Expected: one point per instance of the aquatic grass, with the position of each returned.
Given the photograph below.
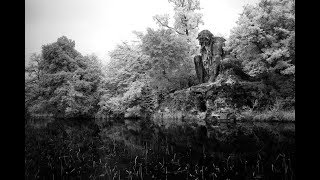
(114, 159)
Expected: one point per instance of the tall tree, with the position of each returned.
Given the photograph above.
(264, 42)
(186, 17)
(67, 83)
(264, 38)
(126, 76)
(169, 56)
(139, 73)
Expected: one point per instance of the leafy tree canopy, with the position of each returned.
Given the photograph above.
(264, 38)
(139, 73)
(64, 83)
(186, 17)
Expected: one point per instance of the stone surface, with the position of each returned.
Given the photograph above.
(197, 104)
(207, 65)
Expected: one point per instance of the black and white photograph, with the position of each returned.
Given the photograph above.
(159, 90)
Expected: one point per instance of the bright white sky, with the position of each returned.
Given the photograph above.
(97, 26)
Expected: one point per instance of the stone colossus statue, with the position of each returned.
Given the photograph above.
(207, 64)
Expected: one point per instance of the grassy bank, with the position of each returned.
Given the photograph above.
(169, 118)
(269, 115)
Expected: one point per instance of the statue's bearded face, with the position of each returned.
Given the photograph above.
(205, 43)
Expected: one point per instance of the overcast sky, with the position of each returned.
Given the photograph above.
(97, 26)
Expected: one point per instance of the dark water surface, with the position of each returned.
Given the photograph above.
(242, 150)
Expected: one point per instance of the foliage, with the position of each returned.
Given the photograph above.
(264, 43)
(169, 55)
(186, 21)
(62, 82)
(126, 79)
(32, 79)
(264, 38)
(140, 75)
(267, 115)
(186, 17)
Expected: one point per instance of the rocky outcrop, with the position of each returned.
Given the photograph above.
(207, 103)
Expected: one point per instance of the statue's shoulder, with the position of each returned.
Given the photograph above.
(219, 39)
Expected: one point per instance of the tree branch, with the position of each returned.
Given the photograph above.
(167, 26)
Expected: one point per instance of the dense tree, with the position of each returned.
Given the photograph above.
(264, 37)
(126, 76)
(32, 80)
(186, 17)
(264, 42)
(140, 75)
(186, 21)
(169, 54)
(65, 83)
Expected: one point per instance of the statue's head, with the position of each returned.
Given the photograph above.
(205, 38)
